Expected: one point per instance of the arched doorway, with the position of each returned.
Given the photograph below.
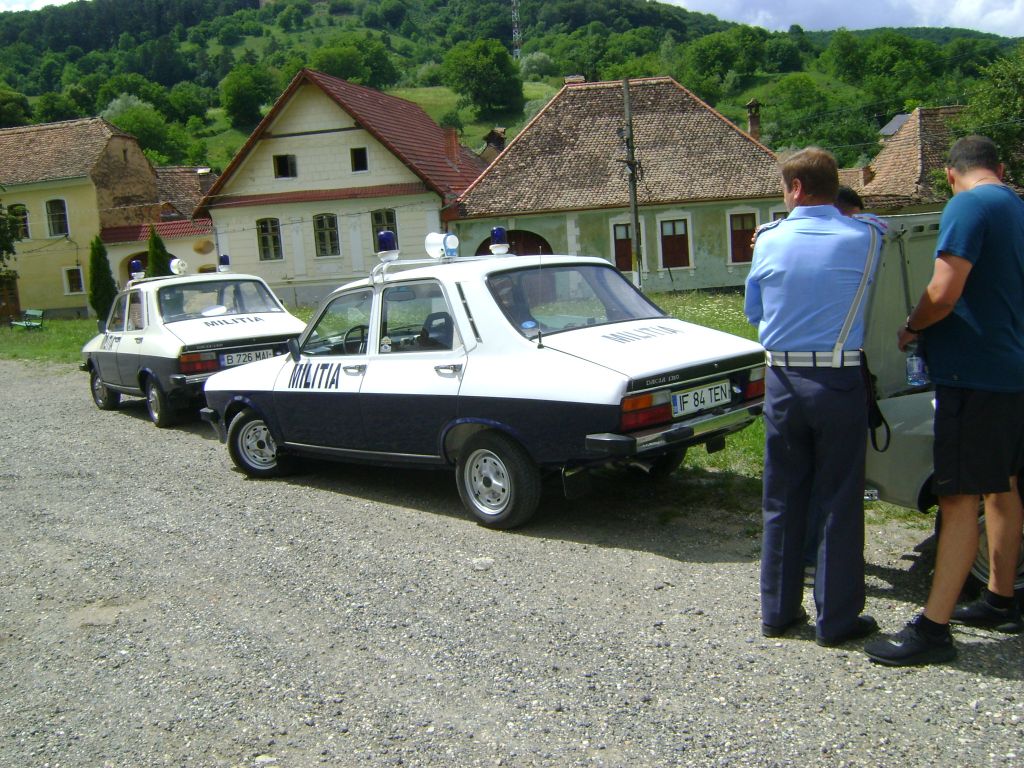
(521, 242)
(123, 269)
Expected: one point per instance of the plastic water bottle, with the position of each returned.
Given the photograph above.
(916, 374)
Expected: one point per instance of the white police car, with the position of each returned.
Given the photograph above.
(504, 367)
(165, 336)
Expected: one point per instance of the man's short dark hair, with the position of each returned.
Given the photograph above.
(817, 170)
(848, 199)
(972, 152)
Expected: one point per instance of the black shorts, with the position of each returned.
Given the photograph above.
(979, 440)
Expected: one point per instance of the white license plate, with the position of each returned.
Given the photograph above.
(230, 359)
(700, 398)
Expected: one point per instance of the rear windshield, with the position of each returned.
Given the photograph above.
(215, 298)
(558, 298)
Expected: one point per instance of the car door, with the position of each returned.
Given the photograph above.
(317, 395)
(128, 351)
(411, 385)
(105, 358)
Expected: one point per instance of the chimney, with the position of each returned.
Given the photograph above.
(451, 145)
(754, 118)
(573, 79)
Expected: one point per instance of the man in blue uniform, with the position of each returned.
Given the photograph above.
(808, 271)
(970, 321)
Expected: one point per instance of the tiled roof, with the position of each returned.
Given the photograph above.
(401, 126)
(182, 187)
(53, 151)
(571, 155)
(899, 176)
(168, 230)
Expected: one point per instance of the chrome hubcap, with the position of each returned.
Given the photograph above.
(257, 445)
(488, 482)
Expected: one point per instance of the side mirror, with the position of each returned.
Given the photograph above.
(101, 326)
(293, 348)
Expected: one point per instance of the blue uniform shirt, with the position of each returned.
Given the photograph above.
(981, 344)
(804, 277)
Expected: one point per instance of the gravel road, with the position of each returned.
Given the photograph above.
(159, 609)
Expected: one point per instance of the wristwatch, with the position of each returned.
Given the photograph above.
(909, 329)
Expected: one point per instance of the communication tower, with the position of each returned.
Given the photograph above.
(517, 38)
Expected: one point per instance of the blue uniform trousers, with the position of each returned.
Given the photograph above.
(815, 443)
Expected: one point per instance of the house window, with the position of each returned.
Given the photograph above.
(269, 239)
(284, 167)
(623, 247)
(57, 218)
(325, 231)
(741, 231)
(381, 220)
(777, 215)
(675, 243)
(20, 213)
(359, 159)
(73, 282)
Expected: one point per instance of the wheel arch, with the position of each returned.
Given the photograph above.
(460, 431)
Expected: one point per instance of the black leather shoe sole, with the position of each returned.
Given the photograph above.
(778, 630)
(864, 625)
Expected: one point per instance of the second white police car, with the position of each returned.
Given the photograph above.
(506, 368)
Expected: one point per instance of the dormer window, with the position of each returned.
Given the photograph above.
(284, 167)
(360, 161)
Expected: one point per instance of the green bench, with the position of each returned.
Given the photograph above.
(30, 318)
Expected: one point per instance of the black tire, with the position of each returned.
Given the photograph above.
(980, 568)
(105, 399)
(161, 412)
(252, 447)
(665, 465)
(497, 480)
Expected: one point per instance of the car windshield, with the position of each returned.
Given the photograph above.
(214, 298)
(549, 299)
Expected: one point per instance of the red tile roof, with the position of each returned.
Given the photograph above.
(168, 230)
(571, 155)
(53, 151)
(401, 126)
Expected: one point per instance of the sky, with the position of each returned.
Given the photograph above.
(1003, 17)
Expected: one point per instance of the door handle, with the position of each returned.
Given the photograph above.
(453, 368)
(354, 369)
(138, 339)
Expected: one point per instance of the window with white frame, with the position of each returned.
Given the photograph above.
(57, 218)
(268, 234)
(20, 213)
(380, 220)
(742, 225)
(325, 231)
(73, 282)
(674, 241)
(622, 246)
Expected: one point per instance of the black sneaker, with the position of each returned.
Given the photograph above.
(778, 630)
(911, 647)
(863, 626)
(982, 613)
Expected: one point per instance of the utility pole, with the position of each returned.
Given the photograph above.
(632, 167)
(517, 38)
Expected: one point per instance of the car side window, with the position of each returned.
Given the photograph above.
(416, 317)
(343, 328)
(115, 323)
(136, 315)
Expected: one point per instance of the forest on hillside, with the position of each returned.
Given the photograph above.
(182, 75)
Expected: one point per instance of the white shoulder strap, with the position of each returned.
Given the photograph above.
(869, 268)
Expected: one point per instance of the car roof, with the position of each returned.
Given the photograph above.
(462, 268)
(204, 277)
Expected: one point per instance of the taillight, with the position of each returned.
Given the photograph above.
(198, 362)
(755, 386)
(646, 410)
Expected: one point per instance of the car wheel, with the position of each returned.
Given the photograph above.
(105, 399)
(252, 447)
(981, 567)
(666, 464)
(161, 412)
(497, 480)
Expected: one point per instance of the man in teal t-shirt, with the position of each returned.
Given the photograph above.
(970, 321)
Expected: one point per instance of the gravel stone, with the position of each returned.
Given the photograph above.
(157, 608)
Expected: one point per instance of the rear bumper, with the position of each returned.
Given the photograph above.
(211, 417)
(612, 445)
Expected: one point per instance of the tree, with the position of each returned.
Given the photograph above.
(483, 72)
(102, 288)
(244, 91)
(159, 260)
(995, 105)
(14, 109)
(51, 107)
(10, 233)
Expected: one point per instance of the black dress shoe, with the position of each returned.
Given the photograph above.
(863, 626)
(778, 630)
